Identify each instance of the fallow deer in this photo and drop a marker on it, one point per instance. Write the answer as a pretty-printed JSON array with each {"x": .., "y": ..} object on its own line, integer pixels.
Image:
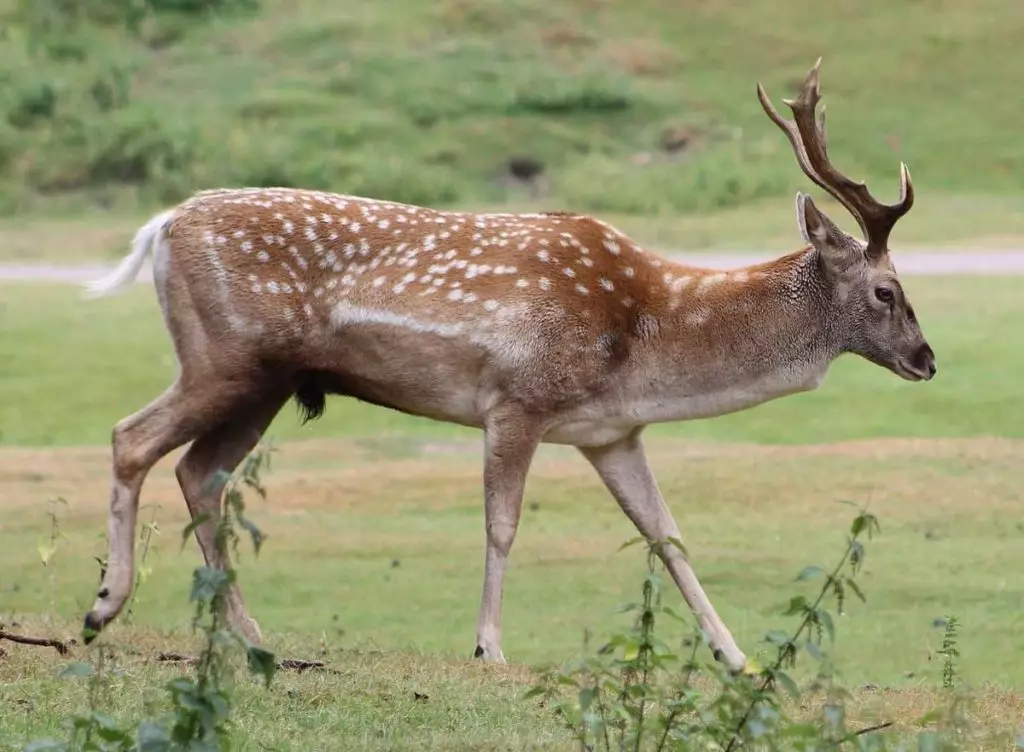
[{"x": 536, "y": 328}]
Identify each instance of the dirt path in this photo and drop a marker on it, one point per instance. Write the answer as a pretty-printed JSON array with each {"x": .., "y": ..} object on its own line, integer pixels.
[{"x": 908, "y": 262}]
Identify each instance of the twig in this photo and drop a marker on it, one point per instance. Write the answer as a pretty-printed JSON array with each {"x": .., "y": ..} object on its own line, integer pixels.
[
  {"x": 870, "y": 729},
  {"x": 293, "y": 664},
  {"x": 288, "y": 664},
  {"x": 42, "y": 642}
]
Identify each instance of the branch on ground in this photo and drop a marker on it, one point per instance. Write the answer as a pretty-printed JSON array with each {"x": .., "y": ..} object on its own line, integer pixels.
[
  {"x": 41, "y": 642},
  {"x": 872, "y": 729},
  {"x": 288, "y": 664}
]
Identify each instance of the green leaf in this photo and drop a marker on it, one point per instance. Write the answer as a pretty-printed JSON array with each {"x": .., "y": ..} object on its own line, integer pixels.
[
  {"x": 851, "y": 583},
  {"x": 678, "y": 543},
  {"x": 813, "y": 649},
  {"x": 257, "y": 535},
  {"x": 857, "y": 554},
  {"x": 46, "y": 552},
  {"x": 632, "y": 542},
  {"x": 930, "y": 717},
  {"x": 76, "y": 669},
  {"x": 207, "y": 583},
  {"x": 152, "y": 737},
  {"x": 46, "y": 745},
  {"x": 797, "y": 605},
  {"x": 587, "y": 695},
  {"x": 533, "y": 692},
  {"x": 928, "y": 741},
  {"x": 808, "y": 573},
  {"x": 777, "y": 637},
  {"x": 261, "y": 662},
  {"x": 787, "y": 683},
  {"x": 190, "y": 528},
  {"x": 826, "y": 621}
]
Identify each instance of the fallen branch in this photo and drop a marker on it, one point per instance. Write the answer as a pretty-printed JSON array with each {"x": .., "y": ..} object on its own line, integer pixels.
[
  {"x": 176, "y": 658},
  {"x": 288, "y": 664},
  {"x": 871, "y": 729},
  {"x": 41, "y": 642},
  {"x": 293, "y": 664}
]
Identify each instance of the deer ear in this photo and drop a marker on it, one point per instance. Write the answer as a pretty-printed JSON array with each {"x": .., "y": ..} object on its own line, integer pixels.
[
  {"x": 821, "y": 232},
  {"x": 813, "y": 224}
]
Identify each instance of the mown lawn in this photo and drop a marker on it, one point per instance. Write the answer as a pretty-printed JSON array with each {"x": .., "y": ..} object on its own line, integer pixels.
[
  {"x": 69, "y": 369},
  {"x": 374, "y": 564}
]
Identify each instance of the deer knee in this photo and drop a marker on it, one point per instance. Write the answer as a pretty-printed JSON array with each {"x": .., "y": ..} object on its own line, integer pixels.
[
  {"x": 501, "y": 534},
  {"x": 129, "y": 454}
]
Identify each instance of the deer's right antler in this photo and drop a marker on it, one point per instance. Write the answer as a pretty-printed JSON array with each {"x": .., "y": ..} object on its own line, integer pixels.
[{"x": 807, "y": 136}]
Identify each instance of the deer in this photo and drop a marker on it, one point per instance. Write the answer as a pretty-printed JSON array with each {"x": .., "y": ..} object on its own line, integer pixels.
[{"x": 534, "y": 328}]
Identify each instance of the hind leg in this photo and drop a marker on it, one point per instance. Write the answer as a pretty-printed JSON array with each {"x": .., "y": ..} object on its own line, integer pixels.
[
  {"x": 222, "y": 449},
  {"x": 187, "y": 409}
]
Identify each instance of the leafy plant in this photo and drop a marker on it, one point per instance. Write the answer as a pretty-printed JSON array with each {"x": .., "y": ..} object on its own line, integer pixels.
[
  {"x": 201, "y": 705},
  {"x": 636, "y": 692}
]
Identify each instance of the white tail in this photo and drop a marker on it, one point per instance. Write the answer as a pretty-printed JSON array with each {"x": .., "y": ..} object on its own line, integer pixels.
[
  {"x": 535, "y": 328},
  {"x": 126, "y": 272}
]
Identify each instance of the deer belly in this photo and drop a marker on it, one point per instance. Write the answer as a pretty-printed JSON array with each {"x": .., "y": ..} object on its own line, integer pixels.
[{"x": 417, "y": 373}]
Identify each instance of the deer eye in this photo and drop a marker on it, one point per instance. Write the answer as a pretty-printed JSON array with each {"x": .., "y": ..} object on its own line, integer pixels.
[{"x": 884, "y": 294}]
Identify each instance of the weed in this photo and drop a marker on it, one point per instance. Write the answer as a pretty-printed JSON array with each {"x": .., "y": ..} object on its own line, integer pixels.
[
  {"x": 143, "y": 571},
  {"x": 48, "y": 549},
  {"x": 949, "y": 651},
  {"x": 635, "y": 692},
  {"x": 201, "y": 705}
]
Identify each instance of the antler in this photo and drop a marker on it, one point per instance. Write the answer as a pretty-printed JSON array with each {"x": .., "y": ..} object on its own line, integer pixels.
[{"x": 876, "y": 219}]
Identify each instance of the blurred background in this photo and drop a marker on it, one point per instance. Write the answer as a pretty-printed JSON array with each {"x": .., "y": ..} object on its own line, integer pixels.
[{"x": 639, "y": 109}]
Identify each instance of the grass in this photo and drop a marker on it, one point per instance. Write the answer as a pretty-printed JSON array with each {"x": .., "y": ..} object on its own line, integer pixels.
[
  {"x": 397, "y": 541},
  {"x": 69, "y": 369},
  {"x": 428, "y": 102}
]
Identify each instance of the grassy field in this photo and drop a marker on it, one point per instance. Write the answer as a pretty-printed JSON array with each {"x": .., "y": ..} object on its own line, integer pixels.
[
  {"x": 644, "y": 109},
  {"x": 374, "y": 560},
  {"x": 72, "y": 368},
  {"x": 374, "y": 564}
]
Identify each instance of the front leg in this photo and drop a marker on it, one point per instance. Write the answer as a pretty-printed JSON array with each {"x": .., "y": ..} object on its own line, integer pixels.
[
  {"x": 510, "y": 443},
  {"x": 624, "y": 470}
]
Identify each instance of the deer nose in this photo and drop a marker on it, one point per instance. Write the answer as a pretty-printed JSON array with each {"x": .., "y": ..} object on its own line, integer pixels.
[{"x": 925, "y": 360}]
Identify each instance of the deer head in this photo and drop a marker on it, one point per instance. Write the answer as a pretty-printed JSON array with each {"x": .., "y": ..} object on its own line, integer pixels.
[{"x": 874, "y": 317}]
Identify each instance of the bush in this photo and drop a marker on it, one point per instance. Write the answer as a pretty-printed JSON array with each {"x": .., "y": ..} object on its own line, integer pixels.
[
  {"x": 722, "y": 176},
  {"x": 637, "y": 692}
]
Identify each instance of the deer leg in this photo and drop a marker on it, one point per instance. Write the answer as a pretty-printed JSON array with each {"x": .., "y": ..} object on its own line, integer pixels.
[
  {"x": 222, "y": 449},
  {"x": 623, "y": 467},
  {"x": 185, "y": 410},
  {"x": 509, "y": 446}
]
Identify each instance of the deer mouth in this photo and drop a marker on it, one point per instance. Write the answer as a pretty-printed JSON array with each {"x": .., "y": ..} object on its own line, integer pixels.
[{"x": 908, "y": 372}]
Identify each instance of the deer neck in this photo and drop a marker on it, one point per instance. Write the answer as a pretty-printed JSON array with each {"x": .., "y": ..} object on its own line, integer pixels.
[{"x": 726, "y": 341}]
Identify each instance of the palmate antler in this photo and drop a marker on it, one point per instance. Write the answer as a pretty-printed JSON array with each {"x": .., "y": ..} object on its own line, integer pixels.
[{"x": 807, "y": 136}]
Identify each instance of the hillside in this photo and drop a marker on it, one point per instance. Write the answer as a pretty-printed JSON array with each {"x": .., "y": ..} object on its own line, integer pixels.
[{"x": 644, "y": 108}]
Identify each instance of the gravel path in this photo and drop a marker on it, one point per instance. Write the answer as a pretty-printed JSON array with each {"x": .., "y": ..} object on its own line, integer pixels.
[{"x": 908, "y": 262}]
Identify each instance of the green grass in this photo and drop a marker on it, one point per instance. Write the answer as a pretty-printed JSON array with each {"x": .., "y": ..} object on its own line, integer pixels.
[
  {"x": 70, "y": 369},
  {"x": 374, "y": 564},
  {"x": 425, "y": 102}
]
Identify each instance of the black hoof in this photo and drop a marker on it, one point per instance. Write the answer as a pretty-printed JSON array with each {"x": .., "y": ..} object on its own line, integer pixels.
[
  {"x": 91, "y": 628},
  {"x": 479, "y": 652}
]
